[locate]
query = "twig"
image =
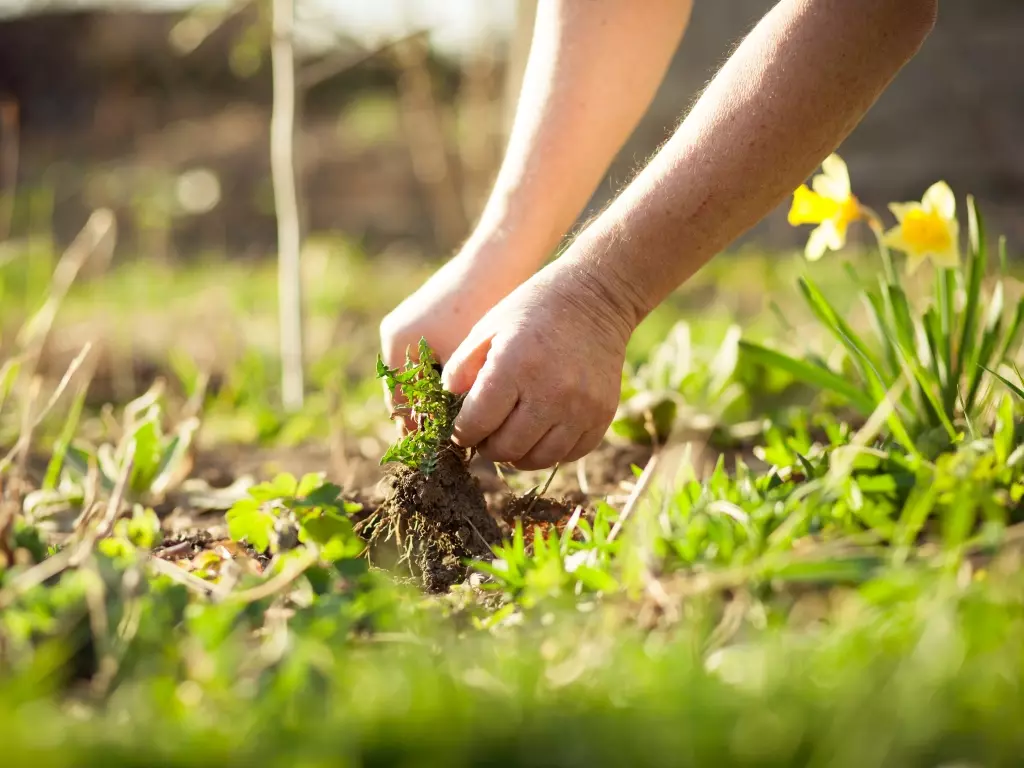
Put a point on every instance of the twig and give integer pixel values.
(286, 205)
(332, 66)
(542, 491)
(117, 497)
(21, 446)
(193, 582)
(581, 476)
(479, 535)
(168, 553)
(642, 484)
(35, 576)
(34, 333)
(290, 573)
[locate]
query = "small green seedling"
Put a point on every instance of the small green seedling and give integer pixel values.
(287, 511)
(433, 408)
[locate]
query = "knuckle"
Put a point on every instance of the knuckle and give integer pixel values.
(503, 448)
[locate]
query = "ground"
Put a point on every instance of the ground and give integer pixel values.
(799, 543)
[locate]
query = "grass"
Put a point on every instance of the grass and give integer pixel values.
(788, 580)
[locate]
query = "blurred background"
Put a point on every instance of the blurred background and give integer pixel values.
(160, 111)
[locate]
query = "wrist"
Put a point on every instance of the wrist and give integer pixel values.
(599, 263)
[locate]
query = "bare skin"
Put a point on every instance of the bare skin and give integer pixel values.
(541, 356)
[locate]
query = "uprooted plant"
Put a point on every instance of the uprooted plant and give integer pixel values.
(435, 509)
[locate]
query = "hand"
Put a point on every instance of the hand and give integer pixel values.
(543, 370)
(446, 307)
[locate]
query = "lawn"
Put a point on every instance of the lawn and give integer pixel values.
(799, 544)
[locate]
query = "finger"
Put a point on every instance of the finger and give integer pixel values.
(588, 442)
(488, 404)
(522, 430)
(462, 369)
(551, 449)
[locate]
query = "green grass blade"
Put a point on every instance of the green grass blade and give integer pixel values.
(1012, 337)
(876, 314)
(946, 286)
(899, 309)
(810, 374)
(933, 334)
(975, 271)
(60, 447)
(839, 327)
(1015, 388)
(982, 356)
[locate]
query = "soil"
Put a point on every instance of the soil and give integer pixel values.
(434, 524)
(438, 521)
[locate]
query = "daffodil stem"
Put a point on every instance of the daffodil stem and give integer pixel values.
(875, 223)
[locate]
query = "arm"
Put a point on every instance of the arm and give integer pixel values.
(794, 89)
(593, 69)
(543, 369)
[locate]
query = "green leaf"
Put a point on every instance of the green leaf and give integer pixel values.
(840, 328)
(309, 483)
(326, 495)
(844, 570)
(1003, 438)
(247, 521)
(283, 486)
(1016, 389)
(595, 580)
(321, 526)
(8, 375)
(976, 263)
(811, 374)
(60, 447)
(982, 356)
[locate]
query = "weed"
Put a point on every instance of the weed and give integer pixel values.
(432, 407)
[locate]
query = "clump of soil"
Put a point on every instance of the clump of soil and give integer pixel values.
(438, 521)
(539, 510)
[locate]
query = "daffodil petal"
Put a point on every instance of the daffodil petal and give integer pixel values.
(894, 239)
(817, 243)
(950, 257)
(809, 207)
(939, 198)
(913, 262)
(835, 235)
(834, 180)
(900, 210)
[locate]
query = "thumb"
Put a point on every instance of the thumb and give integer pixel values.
(462, 368)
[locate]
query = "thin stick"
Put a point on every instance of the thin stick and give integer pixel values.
(290, 573)
(547, 484)
(642, 484)
(21, 446)
(581, 476)
(286, 205)
(95, 233)
(332, 66)
(193, 582)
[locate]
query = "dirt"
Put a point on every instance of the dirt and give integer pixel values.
(432, 525)
(437, 521)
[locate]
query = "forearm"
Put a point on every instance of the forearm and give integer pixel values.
(593, 69)
(789, 95)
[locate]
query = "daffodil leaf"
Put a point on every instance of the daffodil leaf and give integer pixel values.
(811, 374)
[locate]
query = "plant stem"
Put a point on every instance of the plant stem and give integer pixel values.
(875, 224)
(286, 205)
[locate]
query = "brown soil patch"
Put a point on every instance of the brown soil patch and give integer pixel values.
(437, 521)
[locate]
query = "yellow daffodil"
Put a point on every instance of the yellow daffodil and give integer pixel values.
(928, 229)
(829, 204)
